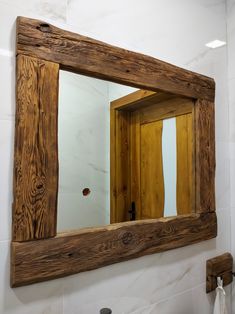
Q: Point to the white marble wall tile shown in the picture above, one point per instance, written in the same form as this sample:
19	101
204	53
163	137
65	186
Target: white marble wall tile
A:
194	301
232	174
214	64
9	14
181	38
6	171
231	37
222	175
52	9
45	298
231	87
7	81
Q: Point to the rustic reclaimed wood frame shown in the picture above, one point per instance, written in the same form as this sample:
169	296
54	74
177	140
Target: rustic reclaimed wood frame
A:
37	252
125	116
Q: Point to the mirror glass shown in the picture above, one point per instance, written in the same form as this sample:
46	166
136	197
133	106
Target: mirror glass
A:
160	153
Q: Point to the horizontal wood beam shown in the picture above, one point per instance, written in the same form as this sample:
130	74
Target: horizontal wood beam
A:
85	55
91	248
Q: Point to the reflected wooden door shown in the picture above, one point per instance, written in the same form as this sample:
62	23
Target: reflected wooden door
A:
147	186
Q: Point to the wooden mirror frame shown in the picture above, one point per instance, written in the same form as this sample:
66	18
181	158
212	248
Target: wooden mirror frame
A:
37	252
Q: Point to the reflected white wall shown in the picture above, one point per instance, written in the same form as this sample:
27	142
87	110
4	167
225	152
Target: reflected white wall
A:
169	160
83	143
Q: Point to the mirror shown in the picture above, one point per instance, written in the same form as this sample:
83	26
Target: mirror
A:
160	177
124	154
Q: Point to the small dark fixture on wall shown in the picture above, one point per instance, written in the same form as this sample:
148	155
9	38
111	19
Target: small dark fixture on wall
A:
86	191
105	311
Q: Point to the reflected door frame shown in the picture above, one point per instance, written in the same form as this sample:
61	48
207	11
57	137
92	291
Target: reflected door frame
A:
129	115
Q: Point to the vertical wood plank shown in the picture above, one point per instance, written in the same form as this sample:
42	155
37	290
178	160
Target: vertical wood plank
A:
36	156
205	156
120	137
113	188
135	161
185	170
151	173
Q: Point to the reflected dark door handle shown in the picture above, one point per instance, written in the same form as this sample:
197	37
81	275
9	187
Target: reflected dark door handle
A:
132	211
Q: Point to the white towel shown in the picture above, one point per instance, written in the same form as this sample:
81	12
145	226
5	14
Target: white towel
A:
220	305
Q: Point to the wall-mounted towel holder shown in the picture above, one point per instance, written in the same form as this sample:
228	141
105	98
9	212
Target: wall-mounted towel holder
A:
219	266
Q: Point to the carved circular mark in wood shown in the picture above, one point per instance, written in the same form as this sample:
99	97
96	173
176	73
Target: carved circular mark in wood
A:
86	191
127	238
166	230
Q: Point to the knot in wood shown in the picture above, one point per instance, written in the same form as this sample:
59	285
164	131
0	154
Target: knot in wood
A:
127	238
44	27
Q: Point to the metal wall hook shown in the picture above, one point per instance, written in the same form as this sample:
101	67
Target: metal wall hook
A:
220	266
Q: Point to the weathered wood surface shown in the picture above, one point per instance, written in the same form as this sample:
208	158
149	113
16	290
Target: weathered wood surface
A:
185	186
120	167
140	99
134	152
166	109
219	266
88	56
36	160
88	249
205	155
35	164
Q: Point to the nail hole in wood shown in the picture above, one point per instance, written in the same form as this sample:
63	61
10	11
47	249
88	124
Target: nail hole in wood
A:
86	191
43	27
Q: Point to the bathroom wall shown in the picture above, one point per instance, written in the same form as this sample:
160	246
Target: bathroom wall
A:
231	92
172	30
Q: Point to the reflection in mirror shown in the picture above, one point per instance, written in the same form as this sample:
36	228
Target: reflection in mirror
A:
169	165
160	153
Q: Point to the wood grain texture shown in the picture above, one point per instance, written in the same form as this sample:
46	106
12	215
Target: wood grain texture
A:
219	266
36	161
135	162
185	196
96	247
120	177
166	109
205	155
84	55
113	187
152	194
140	99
